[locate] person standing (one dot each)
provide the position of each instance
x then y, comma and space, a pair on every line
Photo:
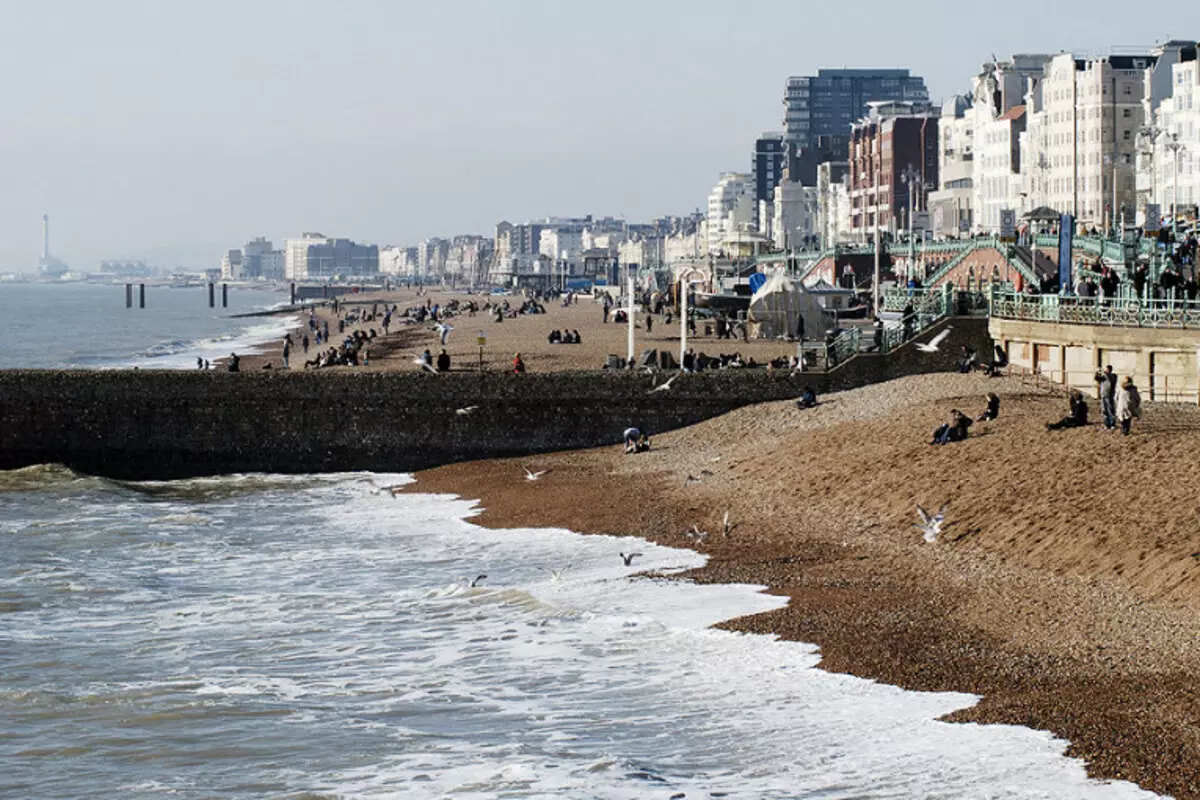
287, 352
1129, 405
1107, 382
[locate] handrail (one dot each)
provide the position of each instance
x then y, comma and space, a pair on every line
1125, 310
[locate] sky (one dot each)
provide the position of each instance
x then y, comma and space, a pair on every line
173, 130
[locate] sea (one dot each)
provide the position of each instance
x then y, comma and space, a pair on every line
321, 636
87, 326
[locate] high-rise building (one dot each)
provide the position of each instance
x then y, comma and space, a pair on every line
767, 169
314, 256
730, 206
1169, 169
834, 99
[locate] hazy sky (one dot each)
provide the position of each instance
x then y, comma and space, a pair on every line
175, 128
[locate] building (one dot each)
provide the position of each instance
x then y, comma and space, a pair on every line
895, 146
1081, 136
731, 207
950, 207
316, 257
830, 102
795, 217
767, 171
998, 184
231, 265
1169, 155
833, 202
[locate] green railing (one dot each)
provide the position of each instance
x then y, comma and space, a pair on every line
842, 348
1125, 310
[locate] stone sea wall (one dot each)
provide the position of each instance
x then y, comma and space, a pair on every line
161, 425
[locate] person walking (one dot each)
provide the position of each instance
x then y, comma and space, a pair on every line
1108, 391
1129, 405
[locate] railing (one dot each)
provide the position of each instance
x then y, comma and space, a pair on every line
842, 348
1154, 387
1128, 311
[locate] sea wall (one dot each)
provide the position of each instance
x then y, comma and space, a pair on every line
146, 425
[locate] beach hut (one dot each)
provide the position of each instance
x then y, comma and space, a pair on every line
782, 308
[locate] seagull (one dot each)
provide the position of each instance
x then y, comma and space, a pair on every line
690, 479
727, 527
462, 412
443, 329
696, 535
423, 364
628, 559
533, 476
666, 385
478, 579
931, 525
556, 574
932, 346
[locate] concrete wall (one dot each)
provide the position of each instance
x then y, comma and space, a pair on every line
1163, 362
142, 424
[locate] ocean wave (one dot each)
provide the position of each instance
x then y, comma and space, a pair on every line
182, 353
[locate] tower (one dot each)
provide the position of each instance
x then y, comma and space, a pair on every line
46, 237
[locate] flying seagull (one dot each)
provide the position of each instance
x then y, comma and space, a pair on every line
690, 479
696, 535
423, 364
931, 524
533, 476
932, 346
478, 579
462, 412
556, 574
628, 559
665, 385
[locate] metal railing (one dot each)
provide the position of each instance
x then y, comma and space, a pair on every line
842, 348
1153, 387
1128, 311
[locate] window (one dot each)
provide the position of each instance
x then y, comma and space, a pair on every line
1127, 113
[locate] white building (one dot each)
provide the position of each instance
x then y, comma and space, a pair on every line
794, 215
295, 255
683, 247
998, 183
1081, 136
950, 205
562, 245
730, 207
1169, 157
833, 203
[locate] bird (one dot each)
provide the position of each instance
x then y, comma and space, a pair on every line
424, 364
533, 476
696, 535
727, 527
443, 329
932, 346
462, 412
665, 385
690, 479
931, 525
556, 574
478, 579
628, 559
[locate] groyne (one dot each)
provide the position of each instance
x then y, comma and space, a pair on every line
161, 425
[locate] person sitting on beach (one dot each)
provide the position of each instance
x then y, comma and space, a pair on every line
632, 436
967, 361
956, 430
575, 338
518, 364
1078, 418
999, 361
808, 398
427, 358
555, 337
643, 444
443, 361
993, 408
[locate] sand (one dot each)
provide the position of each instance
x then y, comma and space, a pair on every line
526, 334
1065, 589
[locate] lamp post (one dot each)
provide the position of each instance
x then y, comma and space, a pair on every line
1176, 147
911, 176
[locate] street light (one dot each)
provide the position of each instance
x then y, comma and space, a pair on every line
912, 177
1176, 147
685, 280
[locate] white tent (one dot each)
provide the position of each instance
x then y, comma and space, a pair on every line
782, 308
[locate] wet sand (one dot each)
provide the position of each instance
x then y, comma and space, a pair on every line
1064, 590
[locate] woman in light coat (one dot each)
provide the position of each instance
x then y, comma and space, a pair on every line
1129, 405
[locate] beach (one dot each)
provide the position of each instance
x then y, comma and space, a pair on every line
526, 334
1063, 590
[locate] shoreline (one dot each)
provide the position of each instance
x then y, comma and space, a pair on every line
1055, 626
